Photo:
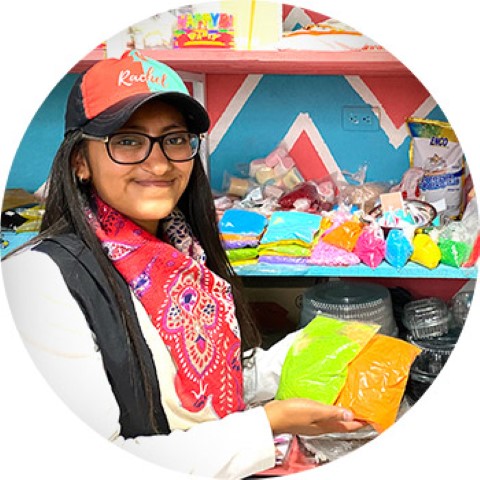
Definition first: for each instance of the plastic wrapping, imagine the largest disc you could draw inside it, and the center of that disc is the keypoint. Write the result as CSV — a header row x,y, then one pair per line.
x,y
370,247
236,186
376,380
281,259
435,149
329,255
425,251
241,255
398,248
410,183
291,226
470,219
456,242
360,194
303,197
344,236
237,241
331,446
242,222
315,366
454,253
289,250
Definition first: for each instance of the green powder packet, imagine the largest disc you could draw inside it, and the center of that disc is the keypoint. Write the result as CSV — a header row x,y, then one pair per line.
x,y
454,253
315,366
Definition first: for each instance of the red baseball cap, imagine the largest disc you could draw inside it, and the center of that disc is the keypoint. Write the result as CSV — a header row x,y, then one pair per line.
x,y
106,95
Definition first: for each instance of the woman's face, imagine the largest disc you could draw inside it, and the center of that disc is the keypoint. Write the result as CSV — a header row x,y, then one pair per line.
x,y
145,192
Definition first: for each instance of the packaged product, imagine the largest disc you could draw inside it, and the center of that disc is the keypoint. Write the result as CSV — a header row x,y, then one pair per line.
x,y
315,366
344,236
456,241
435,149
398,248
425,251
325,254
376,380
370,247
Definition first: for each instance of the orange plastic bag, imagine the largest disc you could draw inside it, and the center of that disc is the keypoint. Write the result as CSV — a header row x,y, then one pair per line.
x,y
344,236
376,380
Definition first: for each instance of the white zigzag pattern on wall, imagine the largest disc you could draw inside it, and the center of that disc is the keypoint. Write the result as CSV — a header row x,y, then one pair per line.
x,y
233,109
395,135
303,123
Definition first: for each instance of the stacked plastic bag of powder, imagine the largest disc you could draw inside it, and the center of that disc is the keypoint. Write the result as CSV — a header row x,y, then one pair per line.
x,y
240,233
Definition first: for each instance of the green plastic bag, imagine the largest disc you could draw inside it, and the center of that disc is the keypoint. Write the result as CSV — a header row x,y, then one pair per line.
x,y
315,366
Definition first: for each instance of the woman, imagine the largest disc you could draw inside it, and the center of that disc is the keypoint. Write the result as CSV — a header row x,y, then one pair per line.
x,y
134,315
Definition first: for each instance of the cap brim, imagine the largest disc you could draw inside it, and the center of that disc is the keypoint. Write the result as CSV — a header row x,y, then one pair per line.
x,y
117,115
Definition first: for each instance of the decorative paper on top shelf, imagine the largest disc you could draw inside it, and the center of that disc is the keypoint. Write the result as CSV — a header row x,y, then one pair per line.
x,y
245,25
204,30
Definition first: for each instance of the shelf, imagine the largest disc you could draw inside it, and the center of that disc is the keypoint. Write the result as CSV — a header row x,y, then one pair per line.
x,y
291,62
384,270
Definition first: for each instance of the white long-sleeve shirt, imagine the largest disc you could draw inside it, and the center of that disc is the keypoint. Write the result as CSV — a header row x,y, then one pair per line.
x,y
60,342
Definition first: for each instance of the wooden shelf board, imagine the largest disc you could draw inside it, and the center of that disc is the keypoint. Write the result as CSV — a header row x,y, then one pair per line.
x,y
289,62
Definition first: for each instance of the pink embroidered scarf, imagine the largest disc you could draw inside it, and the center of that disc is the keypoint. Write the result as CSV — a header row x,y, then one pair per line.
x,y
191,307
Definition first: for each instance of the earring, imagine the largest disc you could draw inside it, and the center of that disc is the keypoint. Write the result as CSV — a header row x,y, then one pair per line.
x,y
80,180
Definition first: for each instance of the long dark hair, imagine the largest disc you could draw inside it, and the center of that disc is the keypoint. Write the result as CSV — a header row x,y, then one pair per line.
x,y
65,206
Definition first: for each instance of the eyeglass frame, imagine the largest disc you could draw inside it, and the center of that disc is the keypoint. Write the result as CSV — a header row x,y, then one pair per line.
x,y
153,141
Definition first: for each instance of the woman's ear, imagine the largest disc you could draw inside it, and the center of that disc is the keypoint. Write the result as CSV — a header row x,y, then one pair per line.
x,y
80,166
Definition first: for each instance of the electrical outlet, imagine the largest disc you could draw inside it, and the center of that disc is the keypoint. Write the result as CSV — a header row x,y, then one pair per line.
x,y
360,119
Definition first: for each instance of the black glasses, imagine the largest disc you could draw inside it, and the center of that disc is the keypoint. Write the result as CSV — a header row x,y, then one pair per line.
x,y
129,148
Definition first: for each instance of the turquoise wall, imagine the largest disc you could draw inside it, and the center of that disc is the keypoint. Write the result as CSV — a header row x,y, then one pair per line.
x,y
40,142
263,121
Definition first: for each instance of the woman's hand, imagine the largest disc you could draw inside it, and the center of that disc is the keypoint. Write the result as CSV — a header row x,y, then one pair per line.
x,y
308,417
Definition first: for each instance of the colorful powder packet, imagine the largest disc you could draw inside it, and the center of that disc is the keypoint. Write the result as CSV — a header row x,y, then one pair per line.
x,y
315,366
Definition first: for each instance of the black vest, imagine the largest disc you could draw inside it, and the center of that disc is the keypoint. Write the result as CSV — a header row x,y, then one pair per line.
x,y
89,287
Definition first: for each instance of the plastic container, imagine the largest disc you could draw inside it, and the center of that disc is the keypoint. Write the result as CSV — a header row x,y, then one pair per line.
x,y
363,302
460,307
426,367
426,318
417,385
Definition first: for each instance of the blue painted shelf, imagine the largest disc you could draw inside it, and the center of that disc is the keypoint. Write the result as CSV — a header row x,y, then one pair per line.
x,y
384,270
15,240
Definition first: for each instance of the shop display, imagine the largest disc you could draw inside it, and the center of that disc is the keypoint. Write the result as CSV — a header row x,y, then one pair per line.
x,y
360,222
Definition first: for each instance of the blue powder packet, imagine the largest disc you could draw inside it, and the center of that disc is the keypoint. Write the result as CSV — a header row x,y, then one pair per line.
x,y
398,248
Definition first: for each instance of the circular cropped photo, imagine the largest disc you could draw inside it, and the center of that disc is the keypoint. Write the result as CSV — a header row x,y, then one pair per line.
x,y
246,237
